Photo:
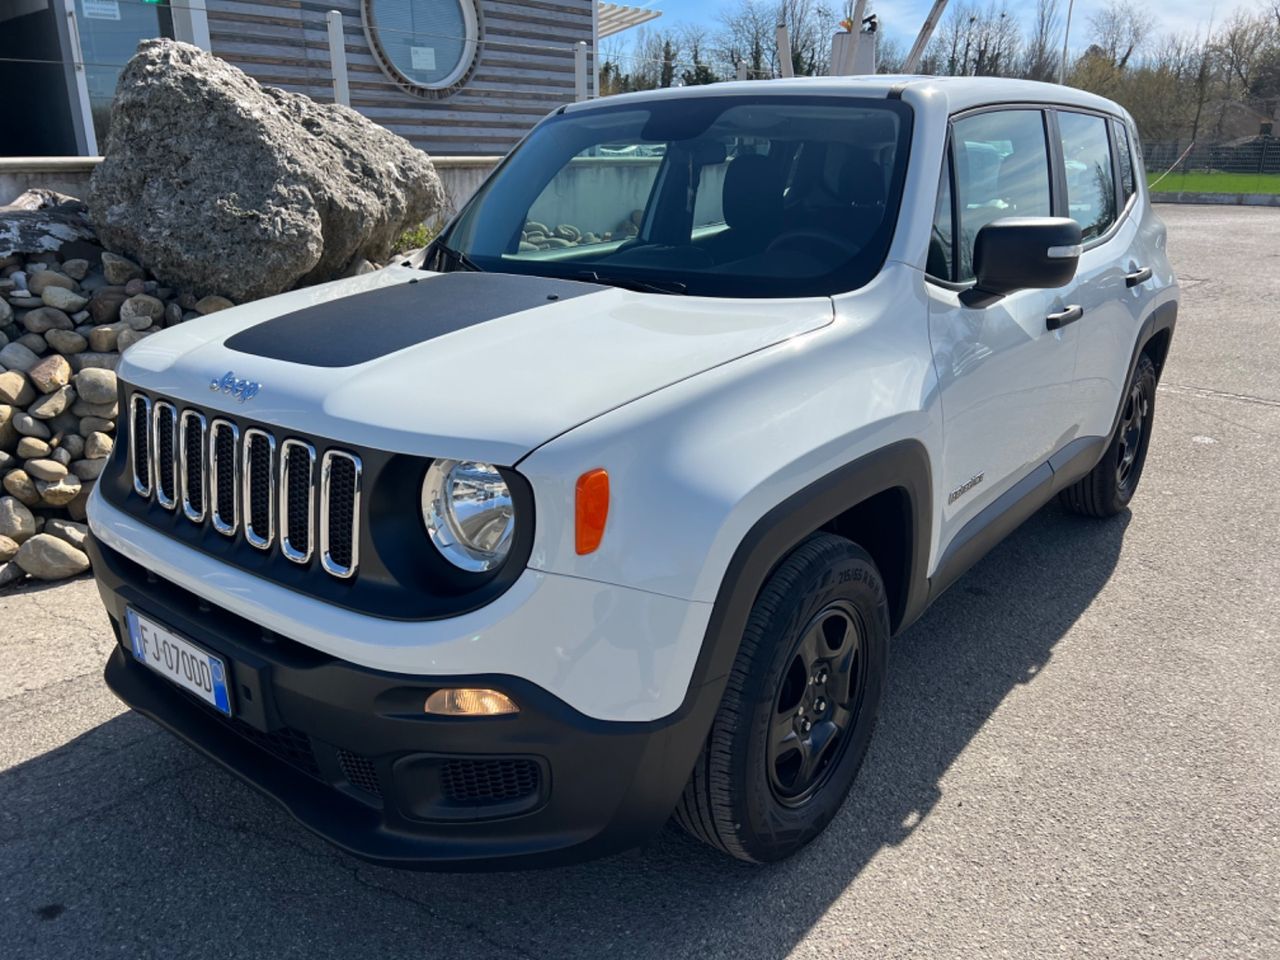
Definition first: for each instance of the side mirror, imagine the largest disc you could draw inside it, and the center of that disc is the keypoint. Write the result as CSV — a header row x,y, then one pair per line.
x,y
1023,253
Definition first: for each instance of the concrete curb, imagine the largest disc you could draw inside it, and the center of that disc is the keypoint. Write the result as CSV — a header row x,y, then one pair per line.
x,y
1230,199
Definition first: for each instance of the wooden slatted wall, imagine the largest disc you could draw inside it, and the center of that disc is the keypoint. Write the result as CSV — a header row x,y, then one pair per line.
x,y
524,68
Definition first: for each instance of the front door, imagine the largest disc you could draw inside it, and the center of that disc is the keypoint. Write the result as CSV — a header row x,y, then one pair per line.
x,y
1005,377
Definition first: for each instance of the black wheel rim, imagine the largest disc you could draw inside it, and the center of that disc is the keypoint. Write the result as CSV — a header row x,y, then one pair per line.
x,y
1133,426
817,703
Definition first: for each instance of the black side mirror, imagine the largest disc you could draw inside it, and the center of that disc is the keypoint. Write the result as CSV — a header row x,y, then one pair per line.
x,y
1023,253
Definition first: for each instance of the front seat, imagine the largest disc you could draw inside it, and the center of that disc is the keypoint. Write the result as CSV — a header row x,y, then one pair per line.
x,y
752,204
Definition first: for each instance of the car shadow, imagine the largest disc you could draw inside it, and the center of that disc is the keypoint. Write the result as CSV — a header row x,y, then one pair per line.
x,y
993,632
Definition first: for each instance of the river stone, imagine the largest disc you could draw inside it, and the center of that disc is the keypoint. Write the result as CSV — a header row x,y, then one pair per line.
x,y
94,361
16,389
96,386
6,311
71,444
44,319
32,448
88,469
212,304
141,311
76,269
47,557
104,305
49,406
104,338
118,269
172,313
29,426
58,493
17,357
129,337
66,341
46,470
107,411
20,486
68,530
41,280
63,299
97,445
8,547
34,342
16,521
256,190
90,425
50,374
77,508
62,456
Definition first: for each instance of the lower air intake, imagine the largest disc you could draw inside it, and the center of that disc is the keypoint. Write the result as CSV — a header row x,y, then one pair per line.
x,y
477,782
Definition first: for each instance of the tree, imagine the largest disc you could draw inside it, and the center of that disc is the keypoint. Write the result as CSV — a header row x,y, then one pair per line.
x,y
1041,56
1119,30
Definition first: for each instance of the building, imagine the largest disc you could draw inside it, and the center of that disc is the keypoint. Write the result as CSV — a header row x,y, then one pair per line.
x,y
452,76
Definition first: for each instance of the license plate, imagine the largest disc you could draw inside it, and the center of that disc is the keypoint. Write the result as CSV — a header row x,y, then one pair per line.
x,y
179,660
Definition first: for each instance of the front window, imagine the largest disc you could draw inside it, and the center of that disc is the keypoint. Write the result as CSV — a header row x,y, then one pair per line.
x,y
768,196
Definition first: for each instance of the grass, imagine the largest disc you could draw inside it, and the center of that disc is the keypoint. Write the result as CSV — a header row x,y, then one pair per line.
x,y
415,238
1203,181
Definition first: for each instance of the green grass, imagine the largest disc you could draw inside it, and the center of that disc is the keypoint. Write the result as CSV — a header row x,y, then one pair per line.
x,y
1200,181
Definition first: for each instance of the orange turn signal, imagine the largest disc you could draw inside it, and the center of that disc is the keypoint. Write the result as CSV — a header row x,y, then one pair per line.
x,y
591,509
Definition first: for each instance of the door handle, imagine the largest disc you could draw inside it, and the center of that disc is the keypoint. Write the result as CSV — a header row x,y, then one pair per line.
x,y
1142,275
1056,321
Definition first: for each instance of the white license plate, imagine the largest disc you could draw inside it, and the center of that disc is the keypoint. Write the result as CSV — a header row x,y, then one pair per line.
x,y
179,660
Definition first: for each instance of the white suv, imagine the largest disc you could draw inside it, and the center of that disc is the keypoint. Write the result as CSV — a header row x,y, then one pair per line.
x,y
606,506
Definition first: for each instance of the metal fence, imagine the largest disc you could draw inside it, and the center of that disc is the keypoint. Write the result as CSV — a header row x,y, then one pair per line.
x,y
1249,165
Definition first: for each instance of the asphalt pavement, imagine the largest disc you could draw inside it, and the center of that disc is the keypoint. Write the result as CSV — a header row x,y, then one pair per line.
x,y
1079,755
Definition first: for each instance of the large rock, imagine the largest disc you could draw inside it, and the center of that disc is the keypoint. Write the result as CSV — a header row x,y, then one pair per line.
x,y
47,557
40,221
220,186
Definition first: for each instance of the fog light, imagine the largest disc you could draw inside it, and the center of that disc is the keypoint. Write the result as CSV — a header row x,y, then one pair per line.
x,y
470,702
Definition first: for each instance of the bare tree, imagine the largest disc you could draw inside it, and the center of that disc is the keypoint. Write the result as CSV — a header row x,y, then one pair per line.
x,y
1040,58
1119,30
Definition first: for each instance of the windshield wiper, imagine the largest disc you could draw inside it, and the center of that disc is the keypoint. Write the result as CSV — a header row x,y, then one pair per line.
x,y
438,252
633,283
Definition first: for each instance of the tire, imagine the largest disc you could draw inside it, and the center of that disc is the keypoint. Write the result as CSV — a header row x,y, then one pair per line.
x,y
1107,489
757,792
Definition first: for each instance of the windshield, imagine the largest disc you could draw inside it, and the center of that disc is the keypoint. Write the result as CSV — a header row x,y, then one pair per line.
x,y
770,196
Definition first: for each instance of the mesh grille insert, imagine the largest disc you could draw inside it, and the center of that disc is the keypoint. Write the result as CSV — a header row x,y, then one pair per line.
x,y
360,772
298,493
194,454
224,450
166,467
342,492
489,781
258,509
141,455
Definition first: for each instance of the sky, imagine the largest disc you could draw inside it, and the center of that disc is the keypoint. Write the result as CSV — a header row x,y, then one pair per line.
x,y
901,19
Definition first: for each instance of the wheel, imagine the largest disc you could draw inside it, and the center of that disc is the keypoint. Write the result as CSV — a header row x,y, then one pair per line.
x,y
799,707
1108,488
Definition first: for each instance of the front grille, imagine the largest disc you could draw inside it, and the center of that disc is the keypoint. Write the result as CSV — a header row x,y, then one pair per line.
x,y
489,781
360,772
243,483
339,507
224,438
259,488
164,422
286,744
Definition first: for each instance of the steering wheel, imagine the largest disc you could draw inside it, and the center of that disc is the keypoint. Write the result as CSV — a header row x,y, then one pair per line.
x,y
804,241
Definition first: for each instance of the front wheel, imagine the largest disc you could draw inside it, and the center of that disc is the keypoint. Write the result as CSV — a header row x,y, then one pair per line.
x,y
1108,488
799,707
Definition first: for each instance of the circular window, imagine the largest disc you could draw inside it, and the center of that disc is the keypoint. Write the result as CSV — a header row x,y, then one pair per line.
x,y
428,47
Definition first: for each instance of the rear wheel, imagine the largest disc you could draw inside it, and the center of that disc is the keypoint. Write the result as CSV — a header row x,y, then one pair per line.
x,y
1107,489
799,707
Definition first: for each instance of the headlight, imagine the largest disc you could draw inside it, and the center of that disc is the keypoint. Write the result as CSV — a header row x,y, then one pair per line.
x,y
469,513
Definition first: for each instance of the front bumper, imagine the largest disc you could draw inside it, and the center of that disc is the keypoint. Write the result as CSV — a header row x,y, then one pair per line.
x,y
348,751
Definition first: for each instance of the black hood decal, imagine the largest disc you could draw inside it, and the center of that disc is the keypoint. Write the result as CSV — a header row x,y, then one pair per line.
x,y
366,326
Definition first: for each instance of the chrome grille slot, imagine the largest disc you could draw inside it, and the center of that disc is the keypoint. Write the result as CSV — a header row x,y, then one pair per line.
x,y
339,508
224,469
140,443
259,459
192,438
164,435
297,499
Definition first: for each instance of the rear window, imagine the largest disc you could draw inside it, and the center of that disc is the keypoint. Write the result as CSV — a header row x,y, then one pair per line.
x,y
1091,184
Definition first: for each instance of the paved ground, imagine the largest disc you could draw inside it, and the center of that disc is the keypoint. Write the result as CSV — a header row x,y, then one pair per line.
x,y
1079,756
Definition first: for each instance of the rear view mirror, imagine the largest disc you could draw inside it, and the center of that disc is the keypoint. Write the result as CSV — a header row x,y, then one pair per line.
x,y
1023,253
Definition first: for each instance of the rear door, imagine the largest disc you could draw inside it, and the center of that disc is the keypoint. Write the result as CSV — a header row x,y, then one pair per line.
x,y
1005,377
1100,194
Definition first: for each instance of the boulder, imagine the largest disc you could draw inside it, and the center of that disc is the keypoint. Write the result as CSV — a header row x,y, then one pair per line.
x,y
96,386
50,374
256,190
16,521
47,557
16,389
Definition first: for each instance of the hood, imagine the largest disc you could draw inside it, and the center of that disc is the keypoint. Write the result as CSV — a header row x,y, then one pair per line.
x,y
477,366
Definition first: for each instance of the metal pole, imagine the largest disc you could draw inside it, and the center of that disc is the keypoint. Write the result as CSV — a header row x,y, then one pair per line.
x,y
918,48
742,69
82,83
338,58
784,51
1066,37
580,70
